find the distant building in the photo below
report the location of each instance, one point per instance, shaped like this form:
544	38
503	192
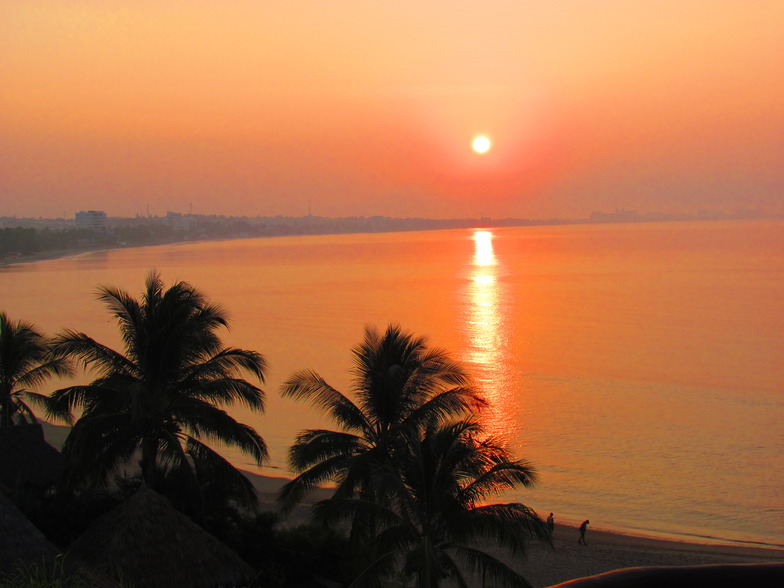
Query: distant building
178	221
94	220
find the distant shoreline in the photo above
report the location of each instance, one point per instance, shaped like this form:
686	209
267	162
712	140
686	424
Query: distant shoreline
46	256
54	254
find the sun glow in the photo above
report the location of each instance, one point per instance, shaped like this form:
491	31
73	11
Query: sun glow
481	144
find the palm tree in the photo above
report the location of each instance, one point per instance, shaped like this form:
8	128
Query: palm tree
437	520
24	365
153	406
400	385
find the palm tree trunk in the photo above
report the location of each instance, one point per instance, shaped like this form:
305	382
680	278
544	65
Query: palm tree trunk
5	408
430	575
149	462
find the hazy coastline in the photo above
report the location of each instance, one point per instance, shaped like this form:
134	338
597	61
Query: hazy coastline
48	256
312	226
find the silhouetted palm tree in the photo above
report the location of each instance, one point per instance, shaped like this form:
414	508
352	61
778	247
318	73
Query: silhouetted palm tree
400	386
435	521
24	365
161	398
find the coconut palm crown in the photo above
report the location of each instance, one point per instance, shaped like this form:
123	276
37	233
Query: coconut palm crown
25	364
162	398
400	385
436	523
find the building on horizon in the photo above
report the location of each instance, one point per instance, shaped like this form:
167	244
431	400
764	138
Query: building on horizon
178	221
94	220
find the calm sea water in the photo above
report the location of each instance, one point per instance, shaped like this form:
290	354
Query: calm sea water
639	367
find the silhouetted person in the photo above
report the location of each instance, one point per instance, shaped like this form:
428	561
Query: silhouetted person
551	523
583	528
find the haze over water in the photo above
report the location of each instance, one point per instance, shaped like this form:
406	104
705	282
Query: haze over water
639	367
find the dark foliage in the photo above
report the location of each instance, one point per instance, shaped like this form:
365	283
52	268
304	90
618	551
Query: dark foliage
151	409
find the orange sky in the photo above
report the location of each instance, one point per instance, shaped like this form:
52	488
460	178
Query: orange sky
365	108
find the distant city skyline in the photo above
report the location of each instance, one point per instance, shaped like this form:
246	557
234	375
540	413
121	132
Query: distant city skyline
370	109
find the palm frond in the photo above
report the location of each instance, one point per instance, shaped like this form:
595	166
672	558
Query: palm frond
210	465
294	491
451	403
511	526
25	364
308	385
23	411
61	404
226	391
99	448
56	367
376	573
437	366
500	477
490	570
202	419
333	510
314	445
228	361
91	353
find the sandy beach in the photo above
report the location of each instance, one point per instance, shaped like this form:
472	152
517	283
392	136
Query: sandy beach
608	551
567	560
50	255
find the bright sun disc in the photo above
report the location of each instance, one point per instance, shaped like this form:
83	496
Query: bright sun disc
481	144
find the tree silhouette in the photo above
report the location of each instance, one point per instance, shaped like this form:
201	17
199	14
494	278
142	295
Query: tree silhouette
404	392
25	364
400	385
151	408
435	521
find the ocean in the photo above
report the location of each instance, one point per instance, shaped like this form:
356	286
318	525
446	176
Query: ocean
639	367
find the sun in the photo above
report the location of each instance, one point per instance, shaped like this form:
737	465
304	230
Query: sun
481	144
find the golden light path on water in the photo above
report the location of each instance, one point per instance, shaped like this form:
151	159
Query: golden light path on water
487	337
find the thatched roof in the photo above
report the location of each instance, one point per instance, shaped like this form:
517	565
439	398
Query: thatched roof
27	458
20	540
150	544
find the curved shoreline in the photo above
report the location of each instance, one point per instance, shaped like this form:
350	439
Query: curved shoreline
566	560
267	487
51	255
606	551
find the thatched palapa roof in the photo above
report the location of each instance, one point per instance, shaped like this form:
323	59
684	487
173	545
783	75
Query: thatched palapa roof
150	544
20	540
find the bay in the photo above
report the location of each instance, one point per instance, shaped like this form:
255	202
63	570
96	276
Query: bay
638	367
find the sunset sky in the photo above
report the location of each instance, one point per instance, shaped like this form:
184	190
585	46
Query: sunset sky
365	108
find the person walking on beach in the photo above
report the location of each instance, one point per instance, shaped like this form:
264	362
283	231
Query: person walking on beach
583	528
550	523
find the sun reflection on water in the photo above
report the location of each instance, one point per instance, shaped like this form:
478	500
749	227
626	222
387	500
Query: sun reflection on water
486	334
483	253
